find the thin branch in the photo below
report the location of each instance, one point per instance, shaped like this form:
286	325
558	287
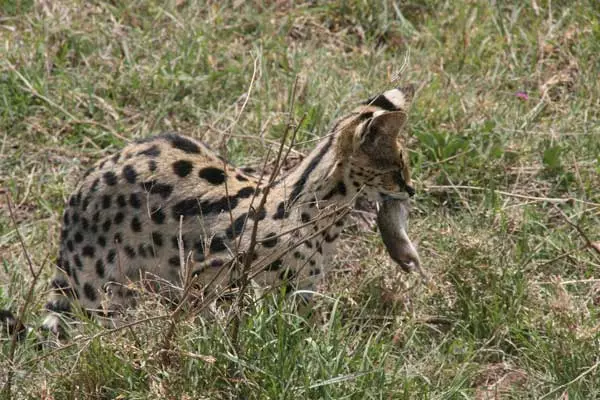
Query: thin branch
248	258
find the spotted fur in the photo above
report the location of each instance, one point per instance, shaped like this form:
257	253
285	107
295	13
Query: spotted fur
134	213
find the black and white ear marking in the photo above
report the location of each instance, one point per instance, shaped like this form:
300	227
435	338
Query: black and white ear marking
394	99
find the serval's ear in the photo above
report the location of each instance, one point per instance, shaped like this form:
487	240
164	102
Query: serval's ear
382	128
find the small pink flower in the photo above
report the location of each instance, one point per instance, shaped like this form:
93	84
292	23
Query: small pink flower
522	95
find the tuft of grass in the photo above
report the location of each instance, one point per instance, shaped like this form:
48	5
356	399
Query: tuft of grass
504	151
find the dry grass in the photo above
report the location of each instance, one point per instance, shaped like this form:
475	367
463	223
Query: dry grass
505	153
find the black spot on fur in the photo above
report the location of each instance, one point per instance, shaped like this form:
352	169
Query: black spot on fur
115	158
85	224
157	239
175	242
134	200
287	274
78	262
182	143
274	266
340	188
89	291
119	217
305	217
157	215
298	255
96	217
270	240
319	248
60	306
74	276
75	217
70	245
241	178
110	178
152	151
121	201
95	184
281	213
78	237
130	251
182	168
217	244
331	238
245	192
86	203
174	261
152	165
102	241
73	201
186	208
60	284
191	207
106	201
142	250
88	251
136	226
215	176
106	225
65	266
111	256
66	220
312	262
216	263
129	174
117	238
155	187
260	215
100	268
339	222
308	244
236	227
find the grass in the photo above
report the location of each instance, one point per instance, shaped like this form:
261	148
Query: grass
505	154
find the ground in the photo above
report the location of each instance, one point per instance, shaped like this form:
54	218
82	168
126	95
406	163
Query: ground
506	162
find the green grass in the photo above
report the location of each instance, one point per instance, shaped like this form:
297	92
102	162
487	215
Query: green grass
513	311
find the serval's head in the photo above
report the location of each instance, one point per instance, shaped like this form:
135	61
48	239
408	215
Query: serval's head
375	146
